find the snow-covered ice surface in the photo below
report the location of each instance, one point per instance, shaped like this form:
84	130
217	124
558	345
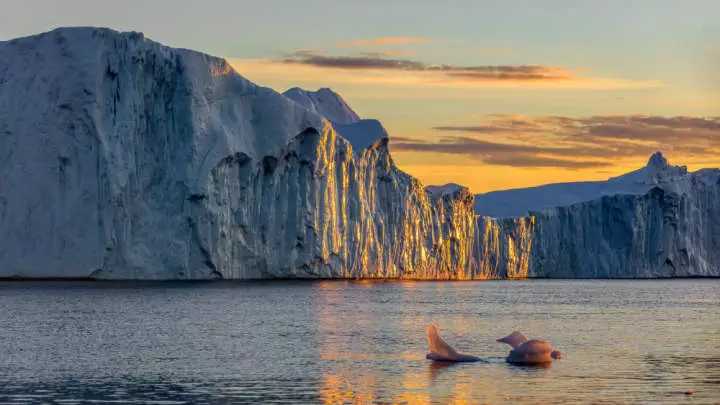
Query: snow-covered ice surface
361	133
324	102
449	188
123	158
521	201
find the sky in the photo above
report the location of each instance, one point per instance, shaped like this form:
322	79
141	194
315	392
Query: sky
488	94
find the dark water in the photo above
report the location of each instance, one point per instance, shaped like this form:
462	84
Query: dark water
356	342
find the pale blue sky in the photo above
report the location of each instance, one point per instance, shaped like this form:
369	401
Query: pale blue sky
641	32
675	44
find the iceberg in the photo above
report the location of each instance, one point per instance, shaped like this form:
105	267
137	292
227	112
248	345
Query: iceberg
121	158
126	159
655	222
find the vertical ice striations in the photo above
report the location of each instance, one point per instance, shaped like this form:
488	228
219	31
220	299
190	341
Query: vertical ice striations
657	221
504	246
318	211
665	224
673	230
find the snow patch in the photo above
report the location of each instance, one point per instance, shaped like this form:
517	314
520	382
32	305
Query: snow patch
324	102
361	133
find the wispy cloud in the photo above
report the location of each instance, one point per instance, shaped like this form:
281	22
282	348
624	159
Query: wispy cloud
486	72
384	41
569	142
309	52
386	70
388	53
495	153
383	68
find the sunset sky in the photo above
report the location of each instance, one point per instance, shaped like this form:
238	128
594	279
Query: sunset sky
488	94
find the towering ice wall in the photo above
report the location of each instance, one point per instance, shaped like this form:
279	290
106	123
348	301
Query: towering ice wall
673	230
661	222
121	158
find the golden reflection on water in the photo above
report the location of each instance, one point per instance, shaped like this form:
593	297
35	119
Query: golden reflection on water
348	379
355	376
372	347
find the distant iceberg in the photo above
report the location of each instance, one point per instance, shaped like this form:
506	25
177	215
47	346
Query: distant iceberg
520	202
657	221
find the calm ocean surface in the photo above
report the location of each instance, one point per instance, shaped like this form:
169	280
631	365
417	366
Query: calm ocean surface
356	342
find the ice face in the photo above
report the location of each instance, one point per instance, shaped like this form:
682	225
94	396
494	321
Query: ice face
123	158
128	159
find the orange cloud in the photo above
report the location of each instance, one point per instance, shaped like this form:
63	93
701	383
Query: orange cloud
383	42
371	61
572	142
373	67
389	53
322	70
309	51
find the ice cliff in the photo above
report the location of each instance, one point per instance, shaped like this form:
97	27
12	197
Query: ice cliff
121	158
657	221
671	230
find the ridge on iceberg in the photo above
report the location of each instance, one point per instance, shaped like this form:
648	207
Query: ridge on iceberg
324	102
361	133
519	202
445	189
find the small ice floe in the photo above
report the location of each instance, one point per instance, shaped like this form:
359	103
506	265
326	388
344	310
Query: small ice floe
441	351
529	352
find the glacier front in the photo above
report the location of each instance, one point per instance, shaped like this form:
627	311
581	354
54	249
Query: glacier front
125	159
121	158
657	221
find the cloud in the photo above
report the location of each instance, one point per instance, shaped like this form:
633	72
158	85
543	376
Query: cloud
402	139
353	62
530	160
372	66
570	142
472	128
308	52
383	42
388	53
495	153
486	72
313	68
